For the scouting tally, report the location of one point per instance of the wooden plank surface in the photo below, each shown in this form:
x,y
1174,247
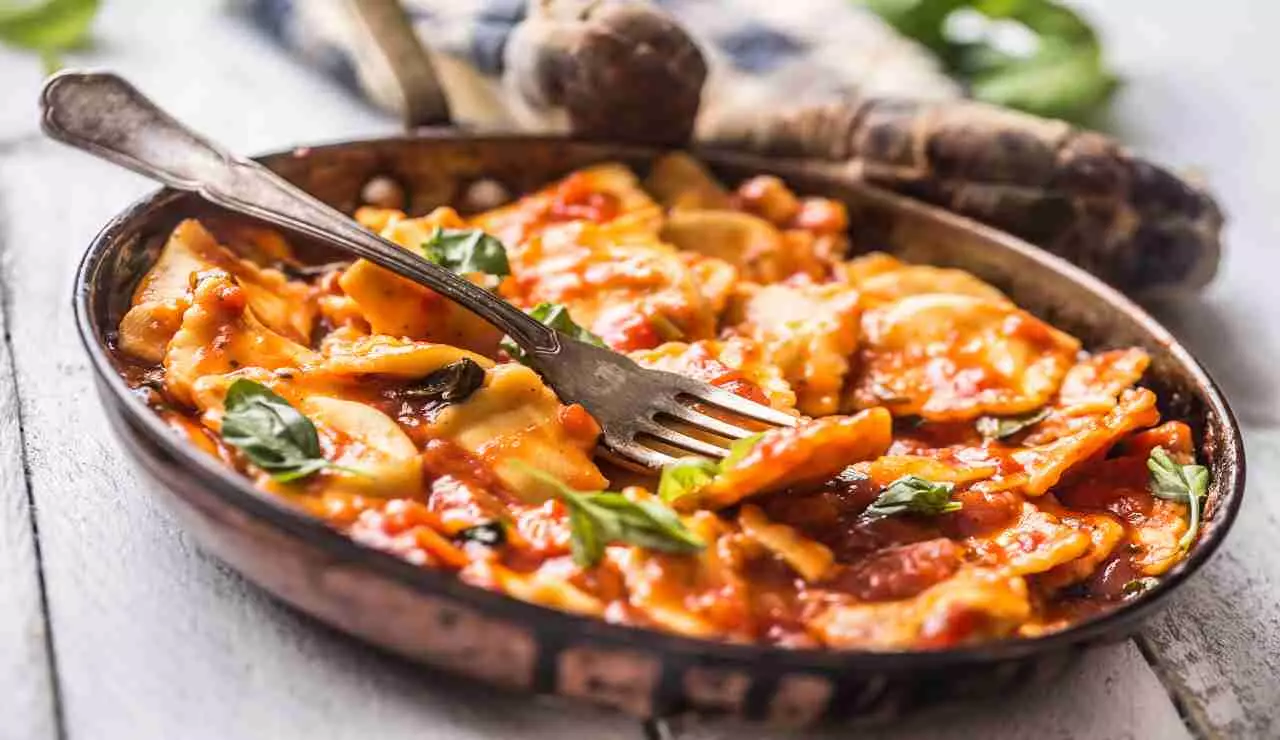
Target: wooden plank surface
x,y
1218,647
1201,93
1110,695
27,706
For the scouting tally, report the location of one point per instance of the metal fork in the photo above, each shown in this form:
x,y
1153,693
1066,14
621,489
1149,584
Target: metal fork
x,y
647,416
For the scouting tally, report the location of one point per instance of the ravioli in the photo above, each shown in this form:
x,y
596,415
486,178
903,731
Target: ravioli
x,y
909,280
736,364
513,423
285,306
398,307
950,357
810,332
974,604
219,333
625,285
809,452
958,471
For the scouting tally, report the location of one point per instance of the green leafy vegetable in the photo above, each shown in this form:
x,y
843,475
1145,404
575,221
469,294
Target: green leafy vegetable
x,y
271,433
1186,484
491,534
1138,586
912,494
599,518
740,449
996,427
556,316
1063,75
685,476
466,251
48,28
689,474
1060,81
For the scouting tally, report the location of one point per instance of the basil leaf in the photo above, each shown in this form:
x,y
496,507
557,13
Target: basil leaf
x,y
453,383
1059,81
912,494
491,534
1185,484
740,449
270,432
466,251
587,538
686,476
1065,76
647,524
996,427
48,28
689,474
556,316
600,518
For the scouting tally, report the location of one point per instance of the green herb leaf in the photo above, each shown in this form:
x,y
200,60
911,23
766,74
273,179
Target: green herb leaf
x,y
270,432
1064,76
556,316
1186,484
685,476
1060,81
996,427
689,474
47,28
466,251
912,494
740,449
600,518
921,20
1138,586
491,534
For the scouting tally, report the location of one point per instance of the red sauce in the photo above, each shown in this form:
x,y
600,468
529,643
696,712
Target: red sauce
x,y
900,572
626,330
575,200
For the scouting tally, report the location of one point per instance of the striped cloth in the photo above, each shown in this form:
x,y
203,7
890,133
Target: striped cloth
x,y
761,53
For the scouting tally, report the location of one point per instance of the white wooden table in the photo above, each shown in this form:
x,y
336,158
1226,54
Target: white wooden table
x,y
113,625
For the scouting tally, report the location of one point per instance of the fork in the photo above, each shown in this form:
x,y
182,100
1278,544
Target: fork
x,y
646,416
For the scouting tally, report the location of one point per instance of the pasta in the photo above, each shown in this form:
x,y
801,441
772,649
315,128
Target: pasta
x,y
961,471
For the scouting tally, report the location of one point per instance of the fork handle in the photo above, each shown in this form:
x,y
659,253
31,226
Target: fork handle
x,y
104,115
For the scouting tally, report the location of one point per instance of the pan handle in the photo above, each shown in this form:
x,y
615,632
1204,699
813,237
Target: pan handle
x,y
385,33
623,72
